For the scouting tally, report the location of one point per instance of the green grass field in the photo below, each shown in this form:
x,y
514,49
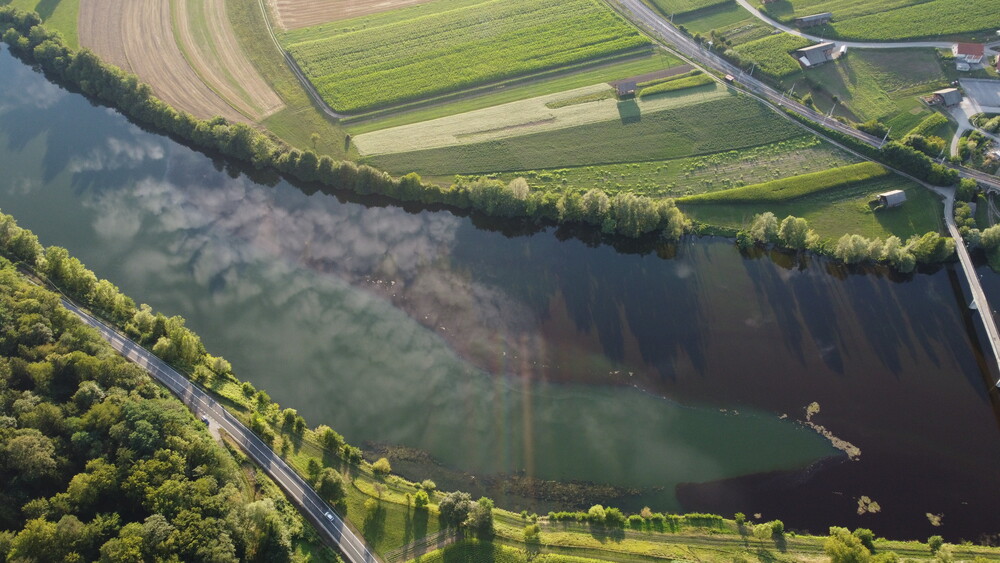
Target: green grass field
x,y
837,212
698,174
879,84
721,16
723,124
480,42
771,54
679,7
59,15
894,20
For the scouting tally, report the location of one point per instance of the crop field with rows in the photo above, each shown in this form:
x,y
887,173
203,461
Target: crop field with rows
x,y
678,7
478,43
717,125
889,20
771,53
678,84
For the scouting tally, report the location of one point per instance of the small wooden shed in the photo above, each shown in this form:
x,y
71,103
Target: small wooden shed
x,y
895,198
625,89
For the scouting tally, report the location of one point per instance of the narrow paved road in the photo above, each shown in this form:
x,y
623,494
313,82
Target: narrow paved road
x,y
325,518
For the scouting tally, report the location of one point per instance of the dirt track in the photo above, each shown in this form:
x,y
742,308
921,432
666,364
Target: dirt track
x,y
293,14
138,36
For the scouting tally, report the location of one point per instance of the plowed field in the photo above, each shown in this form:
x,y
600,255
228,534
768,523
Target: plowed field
x,y
138,35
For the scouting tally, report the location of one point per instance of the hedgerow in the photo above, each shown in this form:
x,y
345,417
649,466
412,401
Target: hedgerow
x,y
797,186
674,85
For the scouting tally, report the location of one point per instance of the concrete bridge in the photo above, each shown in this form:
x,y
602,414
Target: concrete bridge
x,y
979,301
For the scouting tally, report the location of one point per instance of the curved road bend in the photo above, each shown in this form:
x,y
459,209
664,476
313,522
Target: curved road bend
x,y
201,404
850,44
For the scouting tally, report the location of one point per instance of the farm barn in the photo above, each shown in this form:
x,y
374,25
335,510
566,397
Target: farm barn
x,y
816,54
815,19
948,97
895,198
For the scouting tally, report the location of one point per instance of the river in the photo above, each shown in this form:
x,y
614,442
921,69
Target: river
x,y
678,374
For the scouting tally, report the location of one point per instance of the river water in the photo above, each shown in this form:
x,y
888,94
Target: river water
x,y
679,374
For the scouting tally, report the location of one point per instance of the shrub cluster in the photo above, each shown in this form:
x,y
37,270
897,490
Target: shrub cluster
x,y
624,215
794,233
674,85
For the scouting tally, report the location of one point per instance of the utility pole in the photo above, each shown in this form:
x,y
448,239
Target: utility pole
x,y
886,137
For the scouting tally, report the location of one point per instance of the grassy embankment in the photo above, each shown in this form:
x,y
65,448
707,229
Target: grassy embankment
x,y
59,15
834,213
727,542
787,189
895,20
300,118
456,46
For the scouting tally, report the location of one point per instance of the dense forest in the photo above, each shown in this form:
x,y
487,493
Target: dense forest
x,y
97,462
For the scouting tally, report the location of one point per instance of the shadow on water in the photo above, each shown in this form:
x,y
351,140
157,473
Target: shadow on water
x,y
986,378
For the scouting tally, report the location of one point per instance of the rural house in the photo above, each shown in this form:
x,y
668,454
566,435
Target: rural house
x,y
948,97
971,53
816,54
815,19
895,198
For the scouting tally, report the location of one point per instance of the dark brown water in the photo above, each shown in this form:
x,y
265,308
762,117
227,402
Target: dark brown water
x,y
682,371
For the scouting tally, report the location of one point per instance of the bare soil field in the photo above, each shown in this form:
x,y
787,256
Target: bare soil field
x,y
138,36
208,41
295,14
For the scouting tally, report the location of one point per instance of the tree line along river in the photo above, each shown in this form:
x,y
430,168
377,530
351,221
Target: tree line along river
x,y
680,374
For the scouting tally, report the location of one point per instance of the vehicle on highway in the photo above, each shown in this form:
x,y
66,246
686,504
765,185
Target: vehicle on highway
x,y
329,516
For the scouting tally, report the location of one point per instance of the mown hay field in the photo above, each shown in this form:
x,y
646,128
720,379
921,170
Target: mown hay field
x,y
721,124
477,43
795,187
771,54
894,20
515,119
